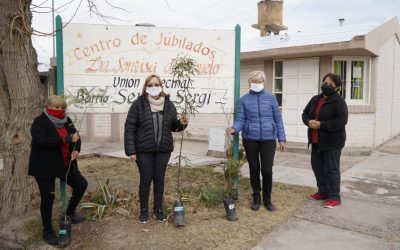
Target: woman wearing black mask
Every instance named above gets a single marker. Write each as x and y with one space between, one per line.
326 117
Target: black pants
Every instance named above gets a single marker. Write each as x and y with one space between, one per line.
152 167
326 167
78 184
264 151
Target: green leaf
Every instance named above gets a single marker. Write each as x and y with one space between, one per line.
89 205
100 210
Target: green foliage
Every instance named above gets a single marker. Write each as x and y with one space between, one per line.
105 199
232 168
212 196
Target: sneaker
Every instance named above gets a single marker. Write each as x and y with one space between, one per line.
332 203
75 219
143 218
50 237
317 196
160 216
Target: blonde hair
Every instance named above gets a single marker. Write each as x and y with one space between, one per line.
55 101
146 82
257 76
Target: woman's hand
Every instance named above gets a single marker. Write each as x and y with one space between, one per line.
132 157
282 146
230 131
184 120
75 155
314 124
75 137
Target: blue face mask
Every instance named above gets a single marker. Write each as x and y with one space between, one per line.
256 87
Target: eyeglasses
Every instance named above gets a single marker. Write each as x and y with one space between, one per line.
153 85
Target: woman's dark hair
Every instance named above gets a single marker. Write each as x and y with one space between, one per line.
335 78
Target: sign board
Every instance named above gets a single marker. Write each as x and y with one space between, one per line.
106 66
357 72
217 139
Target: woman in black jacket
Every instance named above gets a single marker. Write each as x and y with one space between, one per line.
326 117
148 140
53 145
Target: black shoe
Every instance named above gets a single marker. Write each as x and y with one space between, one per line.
269 206
160 216
76 218
256 202
143 218
50 237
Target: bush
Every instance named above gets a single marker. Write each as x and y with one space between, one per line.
212 196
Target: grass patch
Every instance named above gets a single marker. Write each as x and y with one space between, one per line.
34 229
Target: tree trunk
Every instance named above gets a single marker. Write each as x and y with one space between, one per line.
21 98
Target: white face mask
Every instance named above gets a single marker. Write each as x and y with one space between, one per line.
153 91
256 87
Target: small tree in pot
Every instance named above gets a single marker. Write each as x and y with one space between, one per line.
183 70
231 170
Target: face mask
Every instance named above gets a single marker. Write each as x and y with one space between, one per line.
256 87
153 91
57 113
327 89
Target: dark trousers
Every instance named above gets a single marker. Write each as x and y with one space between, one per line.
264 151
326 167
152 168
78 184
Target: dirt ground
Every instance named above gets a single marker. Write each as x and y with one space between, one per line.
206 228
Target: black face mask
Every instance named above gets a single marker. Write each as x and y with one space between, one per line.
327 90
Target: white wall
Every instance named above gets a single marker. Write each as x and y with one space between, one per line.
359 130
387 96
396 90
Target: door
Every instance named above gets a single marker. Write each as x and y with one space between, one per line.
300 83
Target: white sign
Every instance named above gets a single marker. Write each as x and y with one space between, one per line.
216 139
357 72
106 65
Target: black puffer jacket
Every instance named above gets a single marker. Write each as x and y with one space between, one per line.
139 134
333 117
46 160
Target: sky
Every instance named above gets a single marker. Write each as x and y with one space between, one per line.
298 15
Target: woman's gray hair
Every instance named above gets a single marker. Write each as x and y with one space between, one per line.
257 76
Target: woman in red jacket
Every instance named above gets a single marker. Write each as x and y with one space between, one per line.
54 142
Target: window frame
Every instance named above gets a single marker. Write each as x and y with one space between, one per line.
367 76
273 82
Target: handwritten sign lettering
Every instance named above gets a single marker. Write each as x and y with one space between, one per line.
112 62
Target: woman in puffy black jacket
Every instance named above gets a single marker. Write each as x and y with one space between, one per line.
148 140
326 117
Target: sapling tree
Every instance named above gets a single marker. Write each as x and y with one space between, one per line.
184 70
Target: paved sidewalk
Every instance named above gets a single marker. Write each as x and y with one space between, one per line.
369 217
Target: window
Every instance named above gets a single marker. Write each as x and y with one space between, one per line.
278 80
354 73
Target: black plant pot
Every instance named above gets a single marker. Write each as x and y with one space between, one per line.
179 214
64 233
230 209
